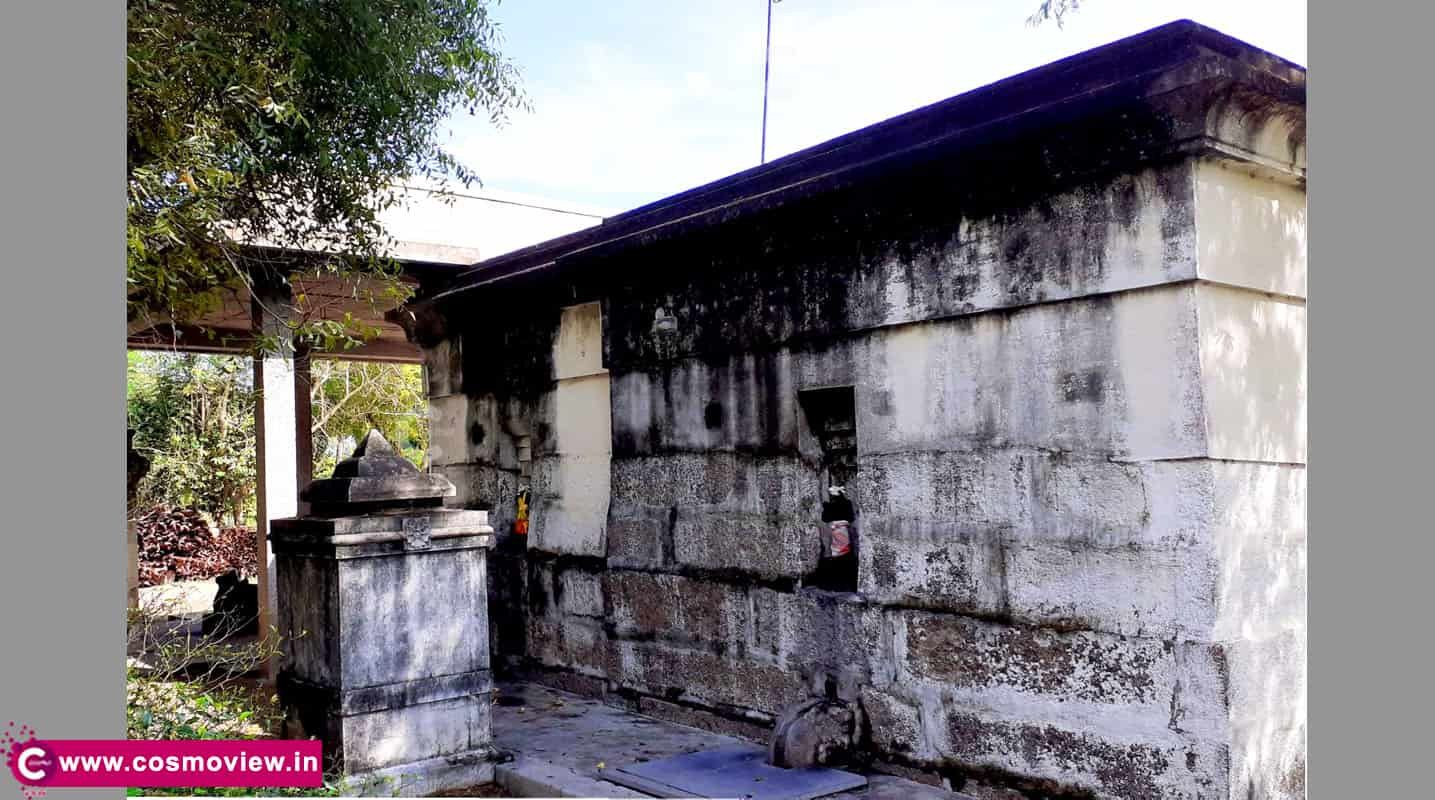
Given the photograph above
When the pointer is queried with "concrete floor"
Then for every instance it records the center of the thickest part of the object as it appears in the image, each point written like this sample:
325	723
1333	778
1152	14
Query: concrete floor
563	743
179	598
173	616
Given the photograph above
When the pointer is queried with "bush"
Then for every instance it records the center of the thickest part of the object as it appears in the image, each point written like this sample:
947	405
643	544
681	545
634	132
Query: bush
188	687
183	687
193	417
194	687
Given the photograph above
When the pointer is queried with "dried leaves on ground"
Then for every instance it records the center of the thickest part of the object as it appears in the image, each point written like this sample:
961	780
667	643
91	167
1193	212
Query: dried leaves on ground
179	544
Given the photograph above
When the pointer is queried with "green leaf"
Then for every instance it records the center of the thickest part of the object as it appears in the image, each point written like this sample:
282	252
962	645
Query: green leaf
254	104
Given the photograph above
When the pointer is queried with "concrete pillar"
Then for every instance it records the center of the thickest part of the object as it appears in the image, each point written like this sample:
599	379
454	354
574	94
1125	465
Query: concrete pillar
570	513
281	426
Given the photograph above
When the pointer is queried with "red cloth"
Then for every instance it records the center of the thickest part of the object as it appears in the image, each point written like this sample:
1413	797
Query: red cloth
839	540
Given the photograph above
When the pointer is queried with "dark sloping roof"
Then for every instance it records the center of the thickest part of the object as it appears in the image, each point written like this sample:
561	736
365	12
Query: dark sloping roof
1159	60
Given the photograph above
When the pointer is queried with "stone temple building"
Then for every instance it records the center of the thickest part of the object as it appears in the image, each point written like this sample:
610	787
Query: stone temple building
1050	336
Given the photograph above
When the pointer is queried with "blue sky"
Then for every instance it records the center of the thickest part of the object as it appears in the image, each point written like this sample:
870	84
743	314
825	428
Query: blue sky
634	100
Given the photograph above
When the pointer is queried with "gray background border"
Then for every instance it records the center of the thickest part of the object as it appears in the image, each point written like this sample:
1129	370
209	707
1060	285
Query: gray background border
62	572
1372	573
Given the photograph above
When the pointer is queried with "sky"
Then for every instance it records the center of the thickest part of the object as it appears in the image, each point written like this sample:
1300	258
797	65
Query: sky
635	100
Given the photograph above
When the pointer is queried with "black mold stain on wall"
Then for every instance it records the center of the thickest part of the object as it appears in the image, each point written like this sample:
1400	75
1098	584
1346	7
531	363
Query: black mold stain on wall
816	268
799	275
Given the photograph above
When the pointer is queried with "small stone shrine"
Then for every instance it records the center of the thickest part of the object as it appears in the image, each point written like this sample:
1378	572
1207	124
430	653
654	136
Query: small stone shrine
383	609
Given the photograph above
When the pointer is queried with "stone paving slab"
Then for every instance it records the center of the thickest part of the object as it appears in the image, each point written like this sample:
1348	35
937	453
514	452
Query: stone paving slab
564	744
732	772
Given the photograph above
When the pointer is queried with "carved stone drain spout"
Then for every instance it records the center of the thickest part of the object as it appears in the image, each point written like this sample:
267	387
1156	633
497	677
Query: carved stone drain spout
814	733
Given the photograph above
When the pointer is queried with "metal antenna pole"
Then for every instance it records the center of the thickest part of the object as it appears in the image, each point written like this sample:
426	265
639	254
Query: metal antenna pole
766	70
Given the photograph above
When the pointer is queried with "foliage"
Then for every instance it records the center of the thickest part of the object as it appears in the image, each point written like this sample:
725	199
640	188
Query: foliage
287	122
1055	10
158	709
193	687
193	417
352	397
182	687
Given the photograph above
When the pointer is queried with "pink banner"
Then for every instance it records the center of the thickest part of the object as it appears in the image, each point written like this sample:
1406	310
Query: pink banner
97	762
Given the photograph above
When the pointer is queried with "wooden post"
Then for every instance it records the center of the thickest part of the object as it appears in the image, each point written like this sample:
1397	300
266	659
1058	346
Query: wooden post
284	449
303	423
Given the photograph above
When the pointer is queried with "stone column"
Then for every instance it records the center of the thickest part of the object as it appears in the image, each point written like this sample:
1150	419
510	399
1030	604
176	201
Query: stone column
383	605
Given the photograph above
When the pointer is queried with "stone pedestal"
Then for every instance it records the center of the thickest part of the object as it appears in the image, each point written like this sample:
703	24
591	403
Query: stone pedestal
386	623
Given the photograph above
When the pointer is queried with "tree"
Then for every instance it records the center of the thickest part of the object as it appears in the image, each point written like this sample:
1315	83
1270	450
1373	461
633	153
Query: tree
1055	10
352	397
193	417
288	122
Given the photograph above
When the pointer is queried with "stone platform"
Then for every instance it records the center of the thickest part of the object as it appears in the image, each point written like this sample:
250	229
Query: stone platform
562	745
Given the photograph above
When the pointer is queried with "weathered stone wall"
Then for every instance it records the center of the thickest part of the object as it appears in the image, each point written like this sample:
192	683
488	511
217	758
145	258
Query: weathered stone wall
1080	437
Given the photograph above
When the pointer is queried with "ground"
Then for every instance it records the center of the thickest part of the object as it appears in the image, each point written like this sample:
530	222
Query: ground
562	744
180	597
